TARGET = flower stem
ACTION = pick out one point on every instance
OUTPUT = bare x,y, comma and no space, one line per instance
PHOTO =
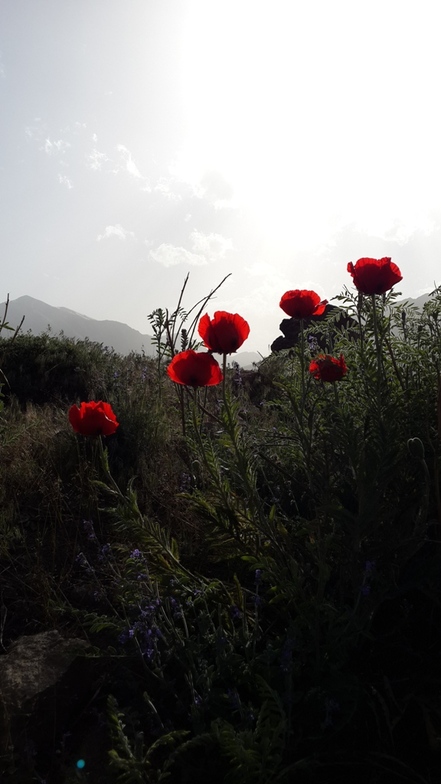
302,359
224,374
104,459
376,335
181,400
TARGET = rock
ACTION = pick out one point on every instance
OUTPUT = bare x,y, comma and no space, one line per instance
39,685
290,327
33,664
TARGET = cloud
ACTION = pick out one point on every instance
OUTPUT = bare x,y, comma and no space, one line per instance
116,231
55,147
213,246
129,163
206,184
123,162
96,159
163,187
63,180
205,248
401,232
36,130
75,128
171,256
216,187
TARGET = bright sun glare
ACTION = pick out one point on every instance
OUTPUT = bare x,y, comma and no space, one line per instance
314,134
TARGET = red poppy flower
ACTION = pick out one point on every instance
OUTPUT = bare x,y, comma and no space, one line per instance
194,370
224,333
301,304
327,368
374,276
93,419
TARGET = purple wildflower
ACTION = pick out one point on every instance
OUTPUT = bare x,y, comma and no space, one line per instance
185,483
104,552
82,561
89,529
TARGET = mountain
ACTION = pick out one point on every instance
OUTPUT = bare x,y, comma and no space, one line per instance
419,302
41,317
246,359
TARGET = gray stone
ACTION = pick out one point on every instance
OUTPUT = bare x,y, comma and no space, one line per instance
42,677
33,664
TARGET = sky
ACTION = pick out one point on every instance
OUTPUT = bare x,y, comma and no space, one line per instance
277,140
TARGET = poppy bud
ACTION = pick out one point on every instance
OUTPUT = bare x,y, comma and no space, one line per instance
416,448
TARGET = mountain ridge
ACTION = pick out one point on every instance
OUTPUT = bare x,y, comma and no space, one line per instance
41,317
